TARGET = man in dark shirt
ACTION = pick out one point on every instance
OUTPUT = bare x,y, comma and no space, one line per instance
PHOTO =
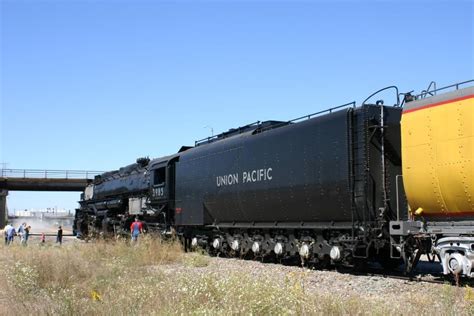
59,237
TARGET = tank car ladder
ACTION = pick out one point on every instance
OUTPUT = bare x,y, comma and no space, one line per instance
358,153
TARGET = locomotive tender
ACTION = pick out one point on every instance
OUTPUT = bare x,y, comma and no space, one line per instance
328,188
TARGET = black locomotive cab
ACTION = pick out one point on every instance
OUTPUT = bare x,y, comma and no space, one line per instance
159,188
162,188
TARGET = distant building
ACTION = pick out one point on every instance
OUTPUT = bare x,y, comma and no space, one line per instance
24,213
43,212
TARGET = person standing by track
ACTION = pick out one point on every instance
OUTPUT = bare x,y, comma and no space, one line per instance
11,232
21,232
27,234
5,231
136,229
59,236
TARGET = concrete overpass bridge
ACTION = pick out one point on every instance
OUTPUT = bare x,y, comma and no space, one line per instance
40,180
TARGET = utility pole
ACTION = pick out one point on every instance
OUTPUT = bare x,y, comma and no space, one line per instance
212,130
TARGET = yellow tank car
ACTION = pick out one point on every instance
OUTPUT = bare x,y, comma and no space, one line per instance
438,155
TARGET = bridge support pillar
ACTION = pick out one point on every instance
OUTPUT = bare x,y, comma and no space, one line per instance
3,208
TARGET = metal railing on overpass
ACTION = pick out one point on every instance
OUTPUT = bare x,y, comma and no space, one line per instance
48,174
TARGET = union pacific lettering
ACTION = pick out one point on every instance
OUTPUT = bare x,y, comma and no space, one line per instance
228,179
256,175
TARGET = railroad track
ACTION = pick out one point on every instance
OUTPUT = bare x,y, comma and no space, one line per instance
436,278
424,275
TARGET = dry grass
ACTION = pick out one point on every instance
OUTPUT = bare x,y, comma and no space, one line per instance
51,279
117,278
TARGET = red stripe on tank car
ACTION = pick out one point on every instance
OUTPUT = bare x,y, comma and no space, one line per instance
439,103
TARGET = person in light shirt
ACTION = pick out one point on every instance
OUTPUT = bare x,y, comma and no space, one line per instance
5,231
22,233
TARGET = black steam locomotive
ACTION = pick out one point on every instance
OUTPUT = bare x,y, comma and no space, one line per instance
322,188
107,204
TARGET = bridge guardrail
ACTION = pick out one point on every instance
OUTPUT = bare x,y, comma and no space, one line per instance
48,174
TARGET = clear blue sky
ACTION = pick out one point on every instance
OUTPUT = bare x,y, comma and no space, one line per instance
96,84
